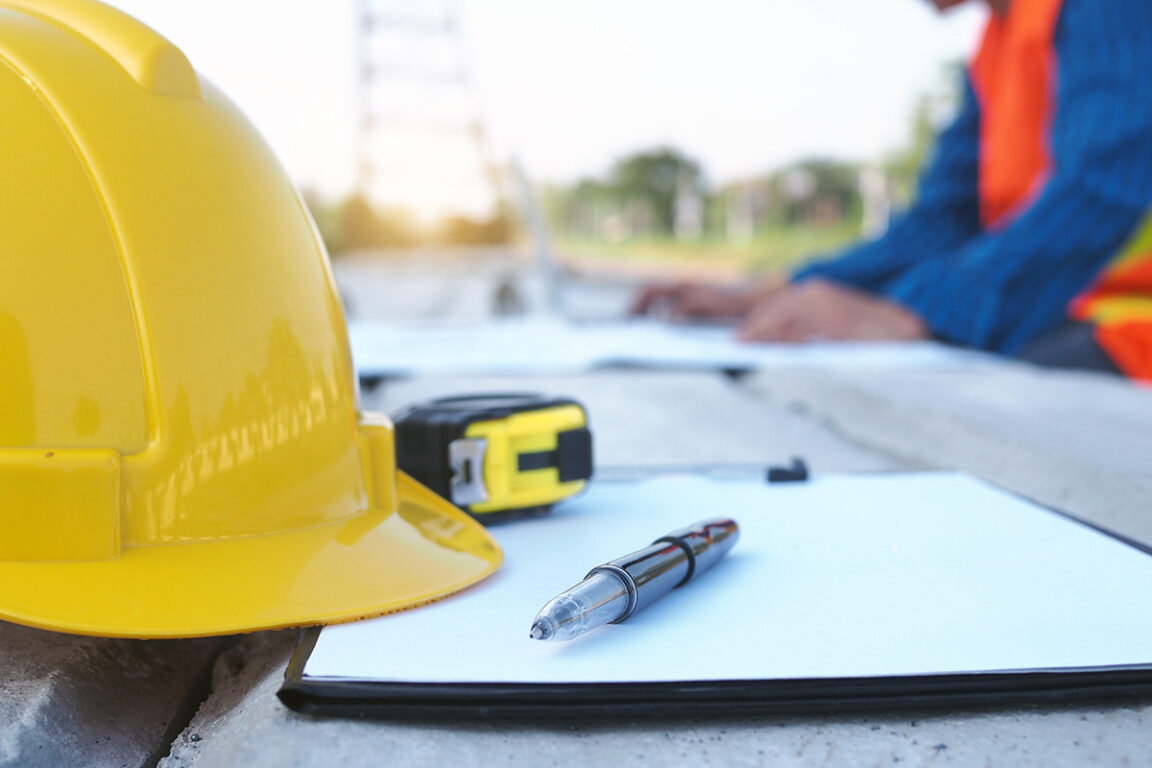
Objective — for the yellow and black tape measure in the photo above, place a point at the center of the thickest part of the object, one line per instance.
(496, 453)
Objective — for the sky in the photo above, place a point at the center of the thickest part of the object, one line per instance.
(567, 86)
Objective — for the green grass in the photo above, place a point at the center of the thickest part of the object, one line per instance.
(777, 248)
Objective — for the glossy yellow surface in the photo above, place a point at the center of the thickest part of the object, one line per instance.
(170, 333)
(364, 566)
(527, 432)
(60, 505)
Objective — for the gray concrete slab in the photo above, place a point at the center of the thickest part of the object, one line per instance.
(1076, 441)
(244, 724)
(711, 420)
(658, 419)
(472, 284)
(434, 283)
(67, 700)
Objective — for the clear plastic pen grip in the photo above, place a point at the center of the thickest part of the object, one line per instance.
(602, 598)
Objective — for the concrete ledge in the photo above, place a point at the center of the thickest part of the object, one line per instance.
(685, 419)
(1077, 442)
(244, 724)
(664, 418)
(67, 700)
(230, 726)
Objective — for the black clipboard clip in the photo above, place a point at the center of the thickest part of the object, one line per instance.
(797, 472)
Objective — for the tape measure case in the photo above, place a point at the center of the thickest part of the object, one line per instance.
(497, 453)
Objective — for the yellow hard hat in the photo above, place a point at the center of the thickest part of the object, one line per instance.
(181, 447)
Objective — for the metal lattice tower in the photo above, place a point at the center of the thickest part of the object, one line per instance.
(421, 142)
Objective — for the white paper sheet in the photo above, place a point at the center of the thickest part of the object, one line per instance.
(550, 346)
(844, 576)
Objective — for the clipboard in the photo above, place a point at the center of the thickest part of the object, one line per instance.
(845, 593)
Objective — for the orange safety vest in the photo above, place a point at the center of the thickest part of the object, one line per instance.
(1014, 75)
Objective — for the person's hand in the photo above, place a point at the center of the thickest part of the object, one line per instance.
(683, 301)
(818, 309)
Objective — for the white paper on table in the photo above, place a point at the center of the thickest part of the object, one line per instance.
(552, 346)
(843, 576)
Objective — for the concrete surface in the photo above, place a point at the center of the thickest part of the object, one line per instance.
(418, 285)
(688, 418)
(245, 725)
(1076, 441)
(657, 419)
(81, 701)
(469, 284)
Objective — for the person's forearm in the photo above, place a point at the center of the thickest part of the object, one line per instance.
(1008, 286)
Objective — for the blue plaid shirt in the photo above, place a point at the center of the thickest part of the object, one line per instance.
(999, 289)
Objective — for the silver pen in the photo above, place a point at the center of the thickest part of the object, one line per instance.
(612, 592)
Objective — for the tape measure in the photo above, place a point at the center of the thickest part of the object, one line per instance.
(496, 453)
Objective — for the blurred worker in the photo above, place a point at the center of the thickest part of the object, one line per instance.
(1027, 236)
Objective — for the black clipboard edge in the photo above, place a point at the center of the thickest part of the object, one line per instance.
(374, 699)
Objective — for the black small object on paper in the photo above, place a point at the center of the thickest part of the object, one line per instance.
(796, 473)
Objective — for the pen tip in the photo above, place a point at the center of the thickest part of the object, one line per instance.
(540, 631)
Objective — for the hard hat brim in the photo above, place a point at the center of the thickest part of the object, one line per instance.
(375, 563)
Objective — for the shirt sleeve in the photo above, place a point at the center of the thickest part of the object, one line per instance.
(1007, 286)
(945, 215)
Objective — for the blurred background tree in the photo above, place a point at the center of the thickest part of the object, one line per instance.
(352, 224)
(654, 182)
(775, 218)
(363, 226)
(656, 203)
(933, 109)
